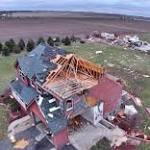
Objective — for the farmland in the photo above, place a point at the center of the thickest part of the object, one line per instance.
(33, 25)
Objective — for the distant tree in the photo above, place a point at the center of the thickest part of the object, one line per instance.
(73, 38)
(50, 41)
(1, 47)
(30, 45)
(21, 44)
(57, 39)
(12, 104)
(10, 45)
(40, 40)
(82, 41)
(17, 49)
(66, 41)
(5, 51)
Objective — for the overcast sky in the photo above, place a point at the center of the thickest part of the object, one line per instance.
(131, 7)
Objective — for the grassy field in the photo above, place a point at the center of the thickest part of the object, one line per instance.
(3, 121)
(145, 36)
(7, 73)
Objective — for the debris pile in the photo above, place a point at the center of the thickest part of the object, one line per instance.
(126, 41)
(21, 144)
(77, 123)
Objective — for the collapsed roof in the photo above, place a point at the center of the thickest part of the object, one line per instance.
(55, 119)
(25, 93)
(72, 75)
(59, 72)
(37, 63)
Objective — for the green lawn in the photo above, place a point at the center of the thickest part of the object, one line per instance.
(145, 36)
(3, 121)
(7, 73)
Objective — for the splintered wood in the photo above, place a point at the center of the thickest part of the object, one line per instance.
(72, 75)
(21, 144)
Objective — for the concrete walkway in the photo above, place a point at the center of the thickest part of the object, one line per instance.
(90, 135)
(19, 125)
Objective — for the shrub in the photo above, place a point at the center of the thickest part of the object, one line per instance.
(66, 41)
(50, 41)
(57, 44)
(30, 45)
(10, 45)
(57, 39)
(73, 38)
(5, 51)
(103, 144)
(17, 49)
(82, 41)
(1, 47)
(13, 104)
(40, 40)
(21, 44)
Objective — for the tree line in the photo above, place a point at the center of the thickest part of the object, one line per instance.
(11, 46)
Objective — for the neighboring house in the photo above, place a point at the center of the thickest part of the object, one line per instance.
(55, 86)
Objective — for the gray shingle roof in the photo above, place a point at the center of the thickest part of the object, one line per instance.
(59, 121)
(26, 93)
(37, 62)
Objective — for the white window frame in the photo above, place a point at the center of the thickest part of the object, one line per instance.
(21, 74)
(31, 83)
(70, 108)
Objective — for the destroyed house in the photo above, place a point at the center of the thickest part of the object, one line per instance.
(54, 86)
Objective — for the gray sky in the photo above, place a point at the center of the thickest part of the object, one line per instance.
(131, 7)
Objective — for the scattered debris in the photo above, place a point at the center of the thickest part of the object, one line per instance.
(146, 76)
(130, 110)
(99, 52)
(137, 101)
(108, 36)
(21, 144)
(110, 65)
(132, 42)
(148, 111)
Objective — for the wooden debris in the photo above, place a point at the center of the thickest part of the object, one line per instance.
(21, 144)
